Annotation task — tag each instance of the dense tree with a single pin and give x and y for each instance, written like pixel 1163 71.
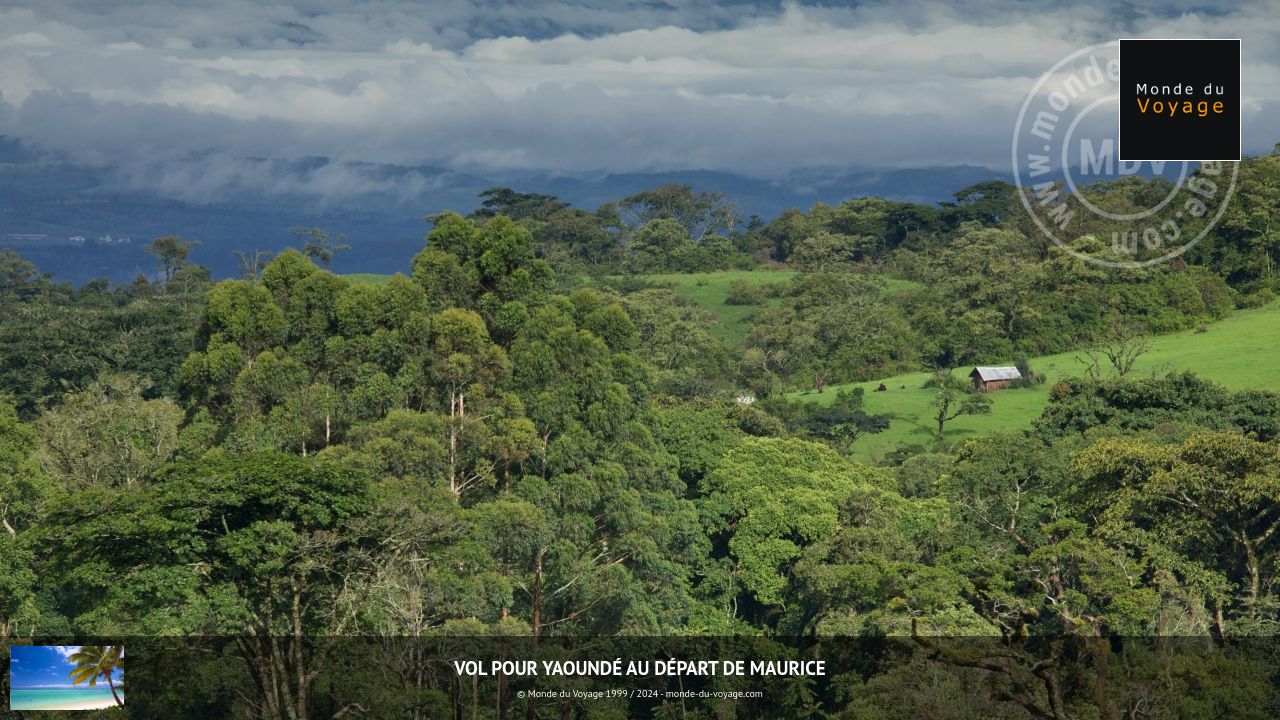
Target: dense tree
pixel 19 279
pixel 987 202
pixel 19 611
pixel 468 266
pixel 697 212
pixel 768 499
pixel 318 244
pixel 1210 502
pixel 171 251
pixel 23 487
pixel 517 205
pixel 108 434
pixel 56 342
pixel 1166 403
pixel 466 363
pixel 266 547
pixel 23 493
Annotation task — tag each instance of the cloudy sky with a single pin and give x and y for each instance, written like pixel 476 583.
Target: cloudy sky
pixel 760 88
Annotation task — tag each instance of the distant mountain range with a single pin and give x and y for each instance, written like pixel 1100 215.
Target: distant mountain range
pixel 82 221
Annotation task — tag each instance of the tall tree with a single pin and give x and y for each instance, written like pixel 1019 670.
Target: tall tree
pixel 171 251
pixel 467 364
pixel 698 212
pixel 1212 501
pixel 94 662
pixel 318 244
pixel 108 434
pixel 517 205
pixel 268 548
pixel 769 498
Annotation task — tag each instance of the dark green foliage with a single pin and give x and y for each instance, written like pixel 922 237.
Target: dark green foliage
pixel 517 205
pixel 1077 406
pixel 58 339
pixel 1030 378
pixel 840 423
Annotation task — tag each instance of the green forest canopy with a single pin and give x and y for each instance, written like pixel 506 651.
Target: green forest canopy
pixel 525 435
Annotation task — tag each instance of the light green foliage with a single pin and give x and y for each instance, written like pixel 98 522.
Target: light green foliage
pixel 773 497
pixel 23 492
pixel 244 313
pixel 23 487
pixel 108 435
pixel 465 264
pixel 708 290
pixel 698 438
pixel 877 573
pixel 1209 505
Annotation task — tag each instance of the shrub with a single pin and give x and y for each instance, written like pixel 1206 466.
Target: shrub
pixel 1030 378
pixel 743 293
pixel 1255 299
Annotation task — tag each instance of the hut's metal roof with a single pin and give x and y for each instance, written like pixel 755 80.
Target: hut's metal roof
pixel 996 373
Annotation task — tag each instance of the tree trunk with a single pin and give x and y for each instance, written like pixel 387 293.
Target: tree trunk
pixel 300 665
pixel 1251 567
pixel 1100 648
pixel 536 599
pixel 111 684
pixel 457 411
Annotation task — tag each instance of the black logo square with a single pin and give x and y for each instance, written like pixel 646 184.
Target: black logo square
pixel 1179 99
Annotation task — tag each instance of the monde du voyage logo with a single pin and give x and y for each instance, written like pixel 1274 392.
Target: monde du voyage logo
pixel 1165 110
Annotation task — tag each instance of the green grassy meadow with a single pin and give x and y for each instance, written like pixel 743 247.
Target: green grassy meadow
pixel 709 290
pixel 1242 351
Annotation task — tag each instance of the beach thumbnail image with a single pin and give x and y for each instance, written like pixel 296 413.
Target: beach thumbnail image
pixel 66 677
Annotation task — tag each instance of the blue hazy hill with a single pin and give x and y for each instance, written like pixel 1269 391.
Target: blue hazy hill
pixel 249 204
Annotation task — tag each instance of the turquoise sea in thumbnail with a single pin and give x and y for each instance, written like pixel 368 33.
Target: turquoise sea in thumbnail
pixel 78 698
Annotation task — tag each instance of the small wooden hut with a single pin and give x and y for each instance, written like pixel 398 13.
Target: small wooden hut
pixel 986 379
